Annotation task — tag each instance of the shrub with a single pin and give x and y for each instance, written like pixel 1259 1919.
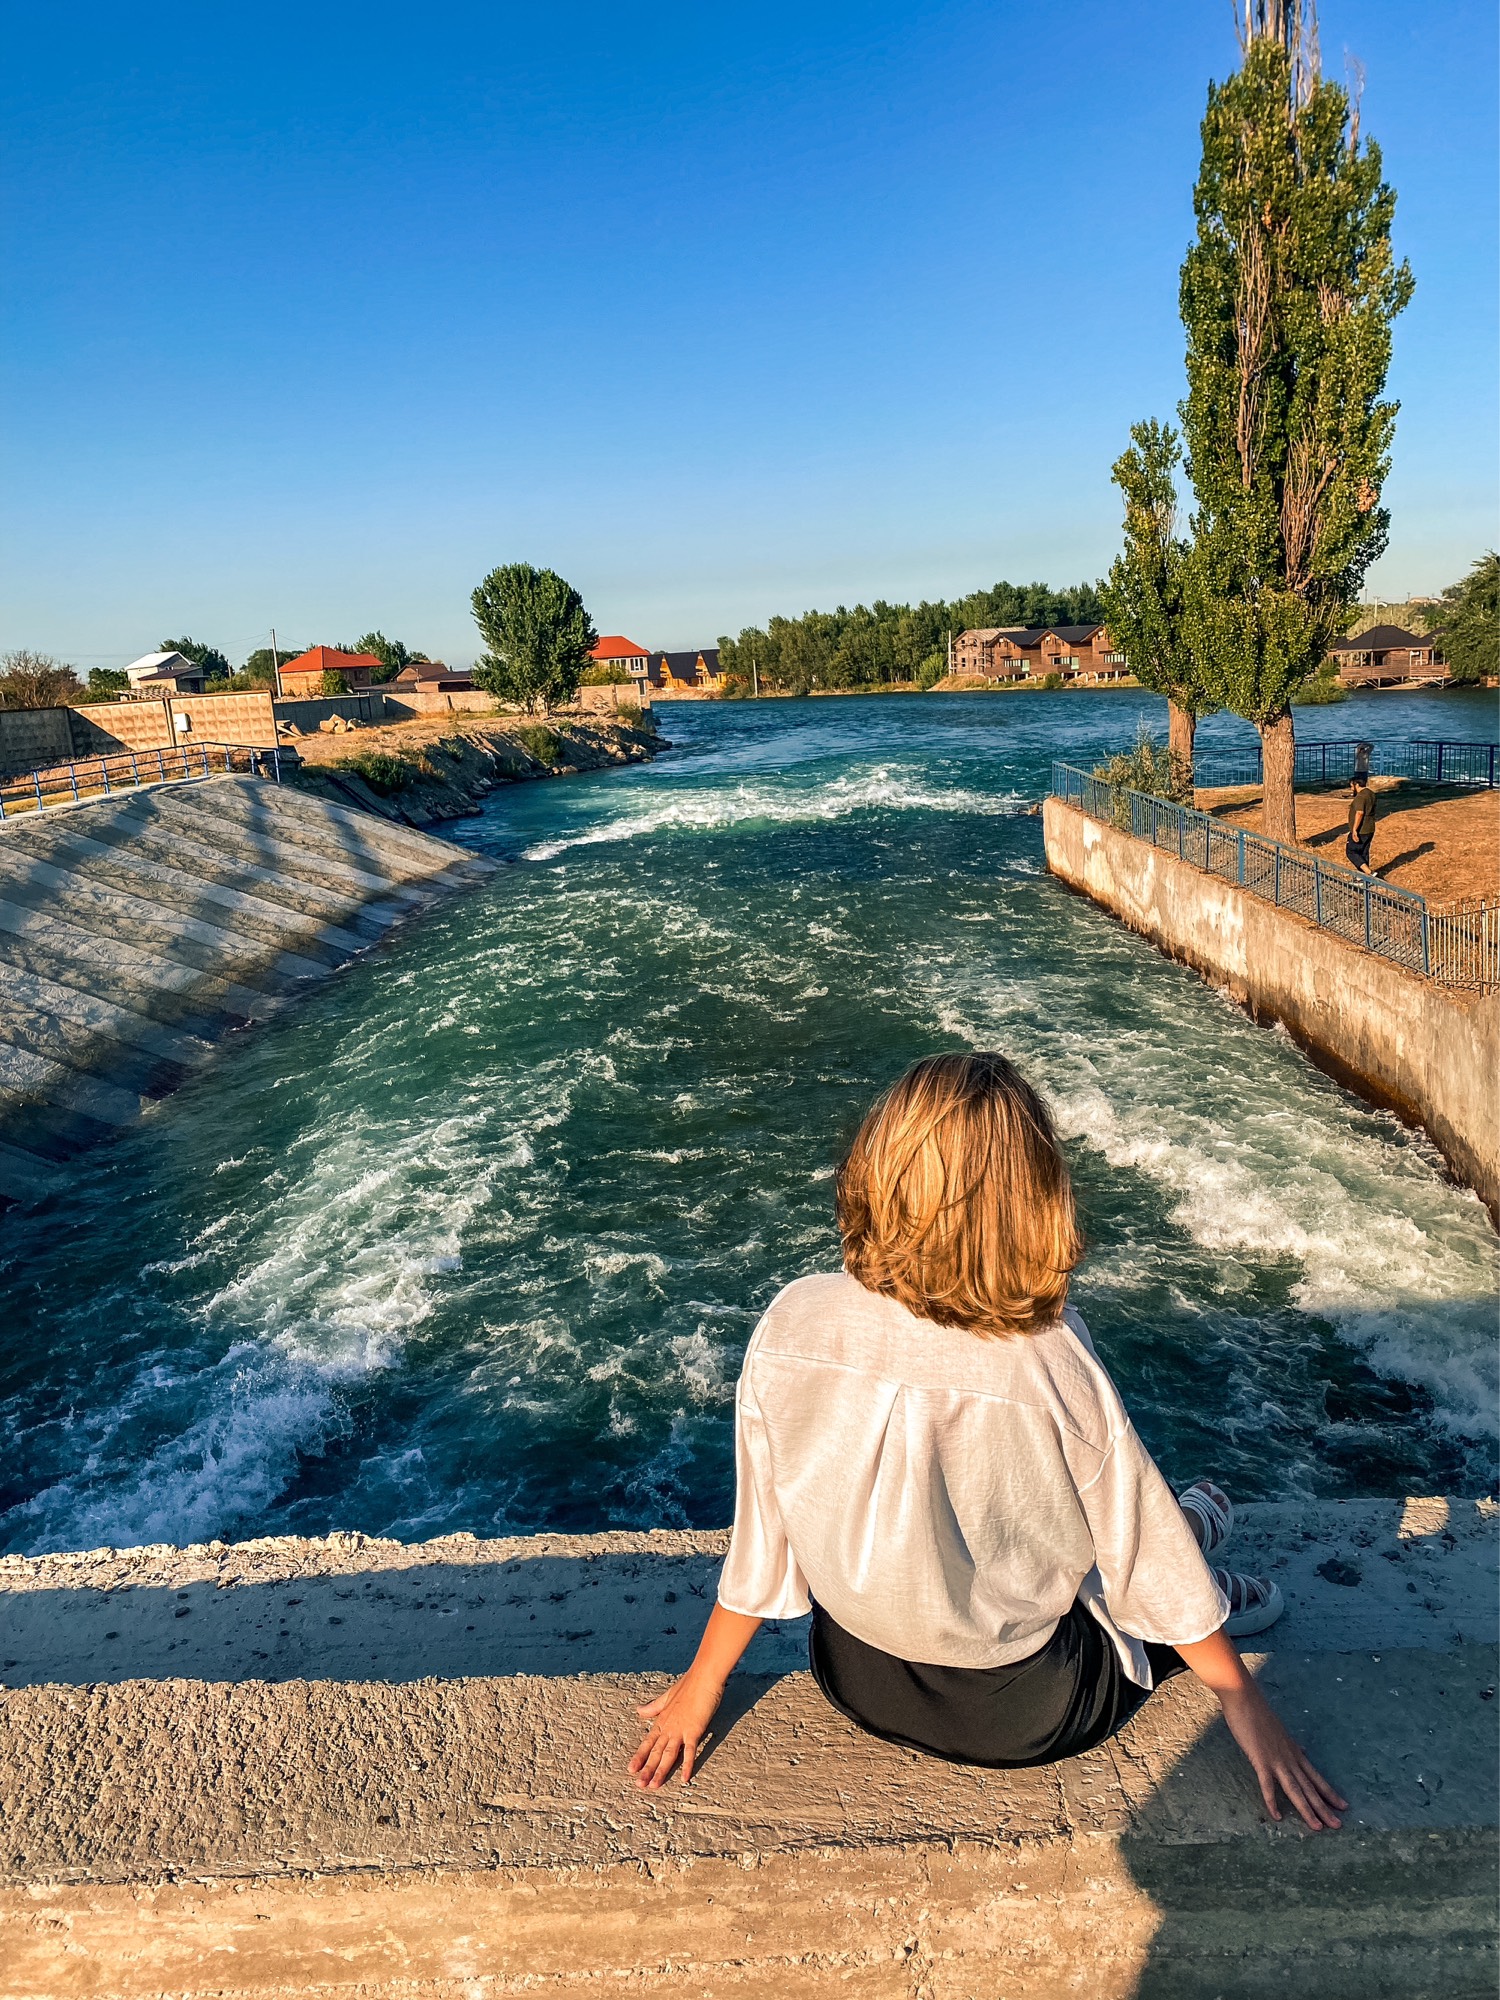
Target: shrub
pixel 1051 681
pixel 630 714
pixel 539 742
pixel 334 683
pixel 1322 691
pixel 931 671
pixel 607 674
pixel 382 770
pixel 1148 766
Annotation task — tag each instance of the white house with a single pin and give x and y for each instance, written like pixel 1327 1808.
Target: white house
pixel 165 673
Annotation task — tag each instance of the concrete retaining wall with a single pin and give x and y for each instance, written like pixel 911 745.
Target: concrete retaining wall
pixel 402 703
pixel 305 716
pixel 358 1767
pixel 1431 1053
pixel 103 727
pixel 33 737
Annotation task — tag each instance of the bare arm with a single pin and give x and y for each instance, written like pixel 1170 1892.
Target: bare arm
pixel 1274 1756
pixel 679 1718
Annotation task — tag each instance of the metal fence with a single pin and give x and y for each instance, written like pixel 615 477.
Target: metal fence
pixel 1418 761
pixel 1458 946
pixel 100 777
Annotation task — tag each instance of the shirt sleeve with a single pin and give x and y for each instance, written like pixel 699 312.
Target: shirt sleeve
pixel 1156 1584
pixel 761 1577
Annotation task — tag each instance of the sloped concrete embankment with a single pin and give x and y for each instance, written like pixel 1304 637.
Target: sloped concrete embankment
pixel 135 931
pixel 356 1767
pixel 1429 1052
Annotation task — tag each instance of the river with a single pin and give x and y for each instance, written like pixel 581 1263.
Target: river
pixel 474 1237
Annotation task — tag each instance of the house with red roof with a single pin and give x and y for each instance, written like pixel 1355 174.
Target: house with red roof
pixel 304 675
pixel 614 650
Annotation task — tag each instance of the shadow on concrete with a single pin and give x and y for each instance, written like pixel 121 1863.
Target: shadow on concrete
pixel 545 1615
pixel 1395 1906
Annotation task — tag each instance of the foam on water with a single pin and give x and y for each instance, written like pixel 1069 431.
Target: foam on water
pixel 476 1238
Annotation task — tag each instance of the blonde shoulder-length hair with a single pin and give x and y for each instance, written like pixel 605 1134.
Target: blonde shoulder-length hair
pixel 954 1198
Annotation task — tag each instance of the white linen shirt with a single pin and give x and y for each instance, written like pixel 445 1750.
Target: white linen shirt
pixel 945 1496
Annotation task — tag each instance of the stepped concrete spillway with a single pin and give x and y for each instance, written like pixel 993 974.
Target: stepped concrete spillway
pixel 355 1767
pixel 136 930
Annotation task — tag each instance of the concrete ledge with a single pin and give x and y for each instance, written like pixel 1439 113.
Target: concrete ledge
pixel 395 1827
pixel 1429 1052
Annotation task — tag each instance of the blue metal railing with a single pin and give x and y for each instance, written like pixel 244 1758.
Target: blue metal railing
pixel 54 785
pixel 1458 946
pixel 1418 761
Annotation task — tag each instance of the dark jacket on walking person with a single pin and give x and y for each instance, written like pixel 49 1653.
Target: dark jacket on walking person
pixel 1361 825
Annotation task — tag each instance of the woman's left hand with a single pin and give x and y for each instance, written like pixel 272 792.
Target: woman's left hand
pixel 679 1723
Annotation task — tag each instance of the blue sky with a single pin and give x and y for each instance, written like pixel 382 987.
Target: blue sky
pixel 313 314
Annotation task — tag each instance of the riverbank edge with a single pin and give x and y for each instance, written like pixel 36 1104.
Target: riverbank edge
pixel 1429 1053
pixel 451 1833
pixel 429 770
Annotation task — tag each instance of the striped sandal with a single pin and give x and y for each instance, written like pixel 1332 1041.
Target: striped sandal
pixel 1210 1512
pixel 1254 1602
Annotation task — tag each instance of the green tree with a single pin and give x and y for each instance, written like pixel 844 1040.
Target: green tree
pixel 36 680
pixel 212 661
pixel 608 673
pixel 878 644
pixel 333 682
pixel 105 683
pixel 1287 296
pixel 1469 622
pixel 393 654
pixel 538 634
pixel 259 669
pixel 1144 596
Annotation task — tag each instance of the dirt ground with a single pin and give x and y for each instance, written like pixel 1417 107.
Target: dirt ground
pixel 1443 843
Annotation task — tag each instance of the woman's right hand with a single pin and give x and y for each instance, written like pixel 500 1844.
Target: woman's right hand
pixel 1278 1760
pixel 1275 1756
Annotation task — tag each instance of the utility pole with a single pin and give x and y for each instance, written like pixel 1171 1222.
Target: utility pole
pixel 950 649
pixel 275 663
pixel 754 679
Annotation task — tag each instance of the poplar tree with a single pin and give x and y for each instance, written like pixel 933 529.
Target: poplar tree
pixel 1287 296
pixel 1144 594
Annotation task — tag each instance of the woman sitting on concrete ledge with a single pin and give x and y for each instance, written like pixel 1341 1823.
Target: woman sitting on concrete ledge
pixel 932 1459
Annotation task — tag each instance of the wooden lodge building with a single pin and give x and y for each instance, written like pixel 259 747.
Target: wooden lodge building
pixel 1031 652
pixel 1384 654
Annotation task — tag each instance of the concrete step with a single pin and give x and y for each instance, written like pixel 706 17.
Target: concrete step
pixel 195 1803
pixel 173 886
pixel 51 1110
pixel 159 927
pixel 293 884
pixel 171 995
pixel 85 1034
pixel 342 834
pixel 202 814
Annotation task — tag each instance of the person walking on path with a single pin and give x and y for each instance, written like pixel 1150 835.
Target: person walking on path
pixel 932 1459
pixel 1361 824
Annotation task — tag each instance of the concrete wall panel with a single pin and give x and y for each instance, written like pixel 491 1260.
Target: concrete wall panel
pixel 1430 1052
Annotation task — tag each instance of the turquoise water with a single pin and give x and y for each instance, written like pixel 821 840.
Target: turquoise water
pixel 475 1237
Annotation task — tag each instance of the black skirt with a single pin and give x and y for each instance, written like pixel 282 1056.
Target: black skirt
pixel 1056 1703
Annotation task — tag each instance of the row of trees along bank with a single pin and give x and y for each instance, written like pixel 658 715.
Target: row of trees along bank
pixel 884 645
pixel 1287 297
